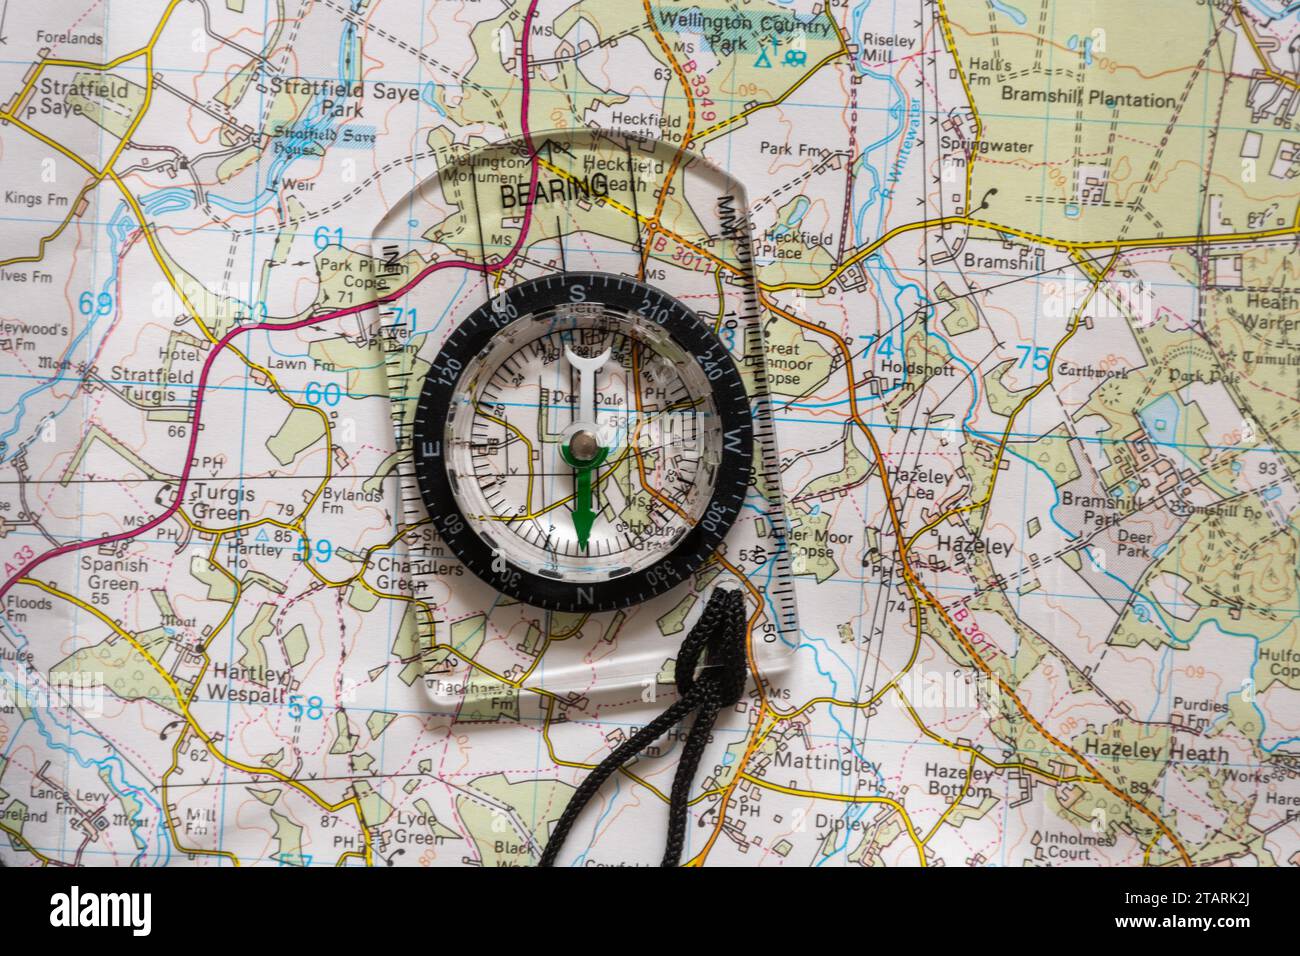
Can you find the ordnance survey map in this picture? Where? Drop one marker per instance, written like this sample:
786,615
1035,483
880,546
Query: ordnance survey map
1030,292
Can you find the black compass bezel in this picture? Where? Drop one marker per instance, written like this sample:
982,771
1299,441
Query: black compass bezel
520,303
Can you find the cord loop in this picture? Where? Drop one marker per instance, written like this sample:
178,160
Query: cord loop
718,638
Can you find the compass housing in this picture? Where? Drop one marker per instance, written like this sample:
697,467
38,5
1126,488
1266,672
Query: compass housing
513,552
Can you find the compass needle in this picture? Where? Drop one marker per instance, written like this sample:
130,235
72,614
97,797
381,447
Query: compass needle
583,451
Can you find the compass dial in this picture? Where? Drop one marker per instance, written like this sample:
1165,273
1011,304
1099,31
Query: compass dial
583,442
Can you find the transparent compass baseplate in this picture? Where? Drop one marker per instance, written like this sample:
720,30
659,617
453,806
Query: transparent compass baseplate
487,220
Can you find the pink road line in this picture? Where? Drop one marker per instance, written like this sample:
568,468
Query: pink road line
305,323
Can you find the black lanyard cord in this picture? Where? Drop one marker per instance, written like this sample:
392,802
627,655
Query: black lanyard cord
719,638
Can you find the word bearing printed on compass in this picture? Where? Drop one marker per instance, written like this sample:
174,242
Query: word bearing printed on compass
566,189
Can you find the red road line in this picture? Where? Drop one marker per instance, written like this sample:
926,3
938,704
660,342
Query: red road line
304,323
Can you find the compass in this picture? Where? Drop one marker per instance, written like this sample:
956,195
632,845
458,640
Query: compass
583,442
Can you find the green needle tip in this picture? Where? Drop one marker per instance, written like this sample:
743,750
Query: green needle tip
584,515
